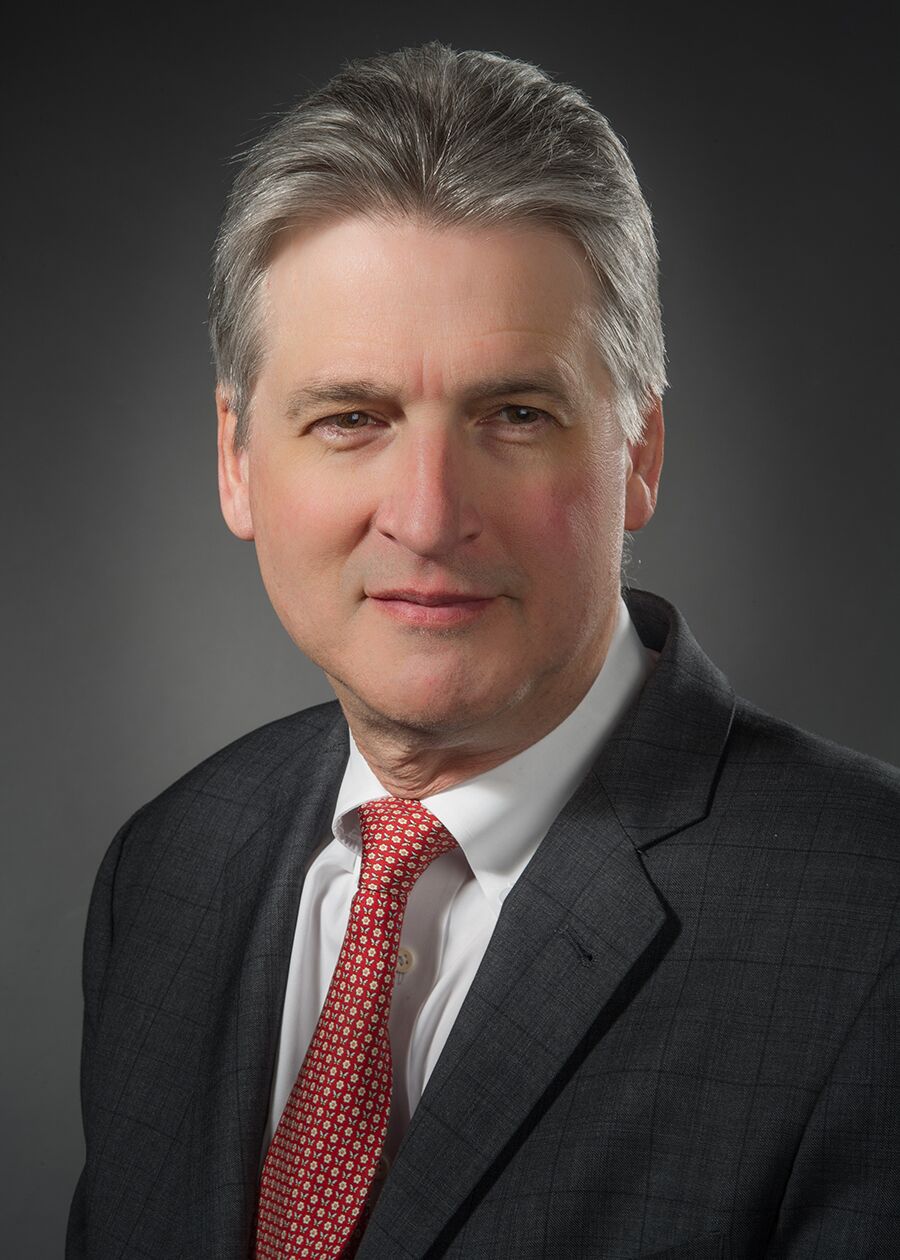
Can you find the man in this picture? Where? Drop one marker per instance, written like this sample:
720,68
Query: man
538,942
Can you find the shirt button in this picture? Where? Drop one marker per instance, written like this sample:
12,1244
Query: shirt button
405,960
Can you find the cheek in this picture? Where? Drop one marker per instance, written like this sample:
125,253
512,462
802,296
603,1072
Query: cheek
571,526
301,530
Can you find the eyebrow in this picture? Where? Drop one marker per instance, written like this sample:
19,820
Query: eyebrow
329,392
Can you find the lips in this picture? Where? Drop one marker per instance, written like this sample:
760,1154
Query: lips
431,610
430,599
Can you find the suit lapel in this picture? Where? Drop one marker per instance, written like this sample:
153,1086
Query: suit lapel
577,937
578,920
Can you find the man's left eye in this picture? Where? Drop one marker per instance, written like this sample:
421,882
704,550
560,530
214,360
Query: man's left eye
349,420
517,414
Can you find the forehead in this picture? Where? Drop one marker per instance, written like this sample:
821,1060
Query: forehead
427,306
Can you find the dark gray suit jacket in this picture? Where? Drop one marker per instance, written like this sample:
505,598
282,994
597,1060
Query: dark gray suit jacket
682,1040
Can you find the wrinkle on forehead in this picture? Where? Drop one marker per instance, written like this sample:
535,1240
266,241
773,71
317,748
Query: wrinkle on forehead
432,310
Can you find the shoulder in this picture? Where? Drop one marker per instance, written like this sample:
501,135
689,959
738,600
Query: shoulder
837,790
199,820
256,763
809,830
248,763
794,863
704,753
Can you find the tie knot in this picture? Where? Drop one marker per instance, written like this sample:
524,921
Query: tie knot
399,839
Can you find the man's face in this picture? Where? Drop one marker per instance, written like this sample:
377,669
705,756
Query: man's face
435,479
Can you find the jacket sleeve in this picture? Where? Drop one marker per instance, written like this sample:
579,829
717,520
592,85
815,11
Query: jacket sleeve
98,942
843,1194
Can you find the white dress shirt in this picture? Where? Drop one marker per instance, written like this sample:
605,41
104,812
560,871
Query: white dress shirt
498,820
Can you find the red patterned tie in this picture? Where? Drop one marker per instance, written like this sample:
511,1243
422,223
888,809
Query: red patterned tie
320,1165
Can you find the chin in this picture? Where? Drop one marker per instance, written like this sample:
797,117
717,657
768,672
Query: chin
429,716
425,710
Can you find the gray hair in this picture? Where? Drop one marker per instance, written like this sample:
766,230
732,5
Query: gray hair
451,139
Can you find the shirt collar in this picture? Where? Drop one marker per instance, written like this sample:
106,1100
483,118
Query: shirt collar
499,818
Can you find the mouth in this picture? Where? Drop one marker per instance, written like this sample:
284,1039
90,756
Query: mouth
431,608
430,599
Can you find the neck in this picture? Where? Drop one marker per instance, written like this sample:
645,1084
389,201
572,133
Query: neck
413,773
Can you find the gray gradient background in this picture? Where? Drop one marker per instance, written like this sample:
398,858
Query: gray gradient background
138,636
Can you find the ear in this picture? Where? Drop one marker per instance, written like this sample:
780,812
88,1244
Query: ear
234,472
645,459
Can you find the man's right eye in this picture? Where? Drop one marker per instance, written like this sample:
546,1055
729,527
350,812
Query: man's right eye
345,421
342,426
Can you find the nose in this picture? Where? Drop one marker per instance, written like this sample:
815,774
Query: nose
428,500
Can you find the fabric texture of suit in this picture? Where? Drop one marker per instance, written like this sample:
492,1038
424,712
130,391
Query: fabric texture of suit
681,1042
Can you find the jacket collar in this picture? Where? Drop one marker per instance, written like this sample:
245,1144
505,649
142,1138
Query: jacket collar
682,719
